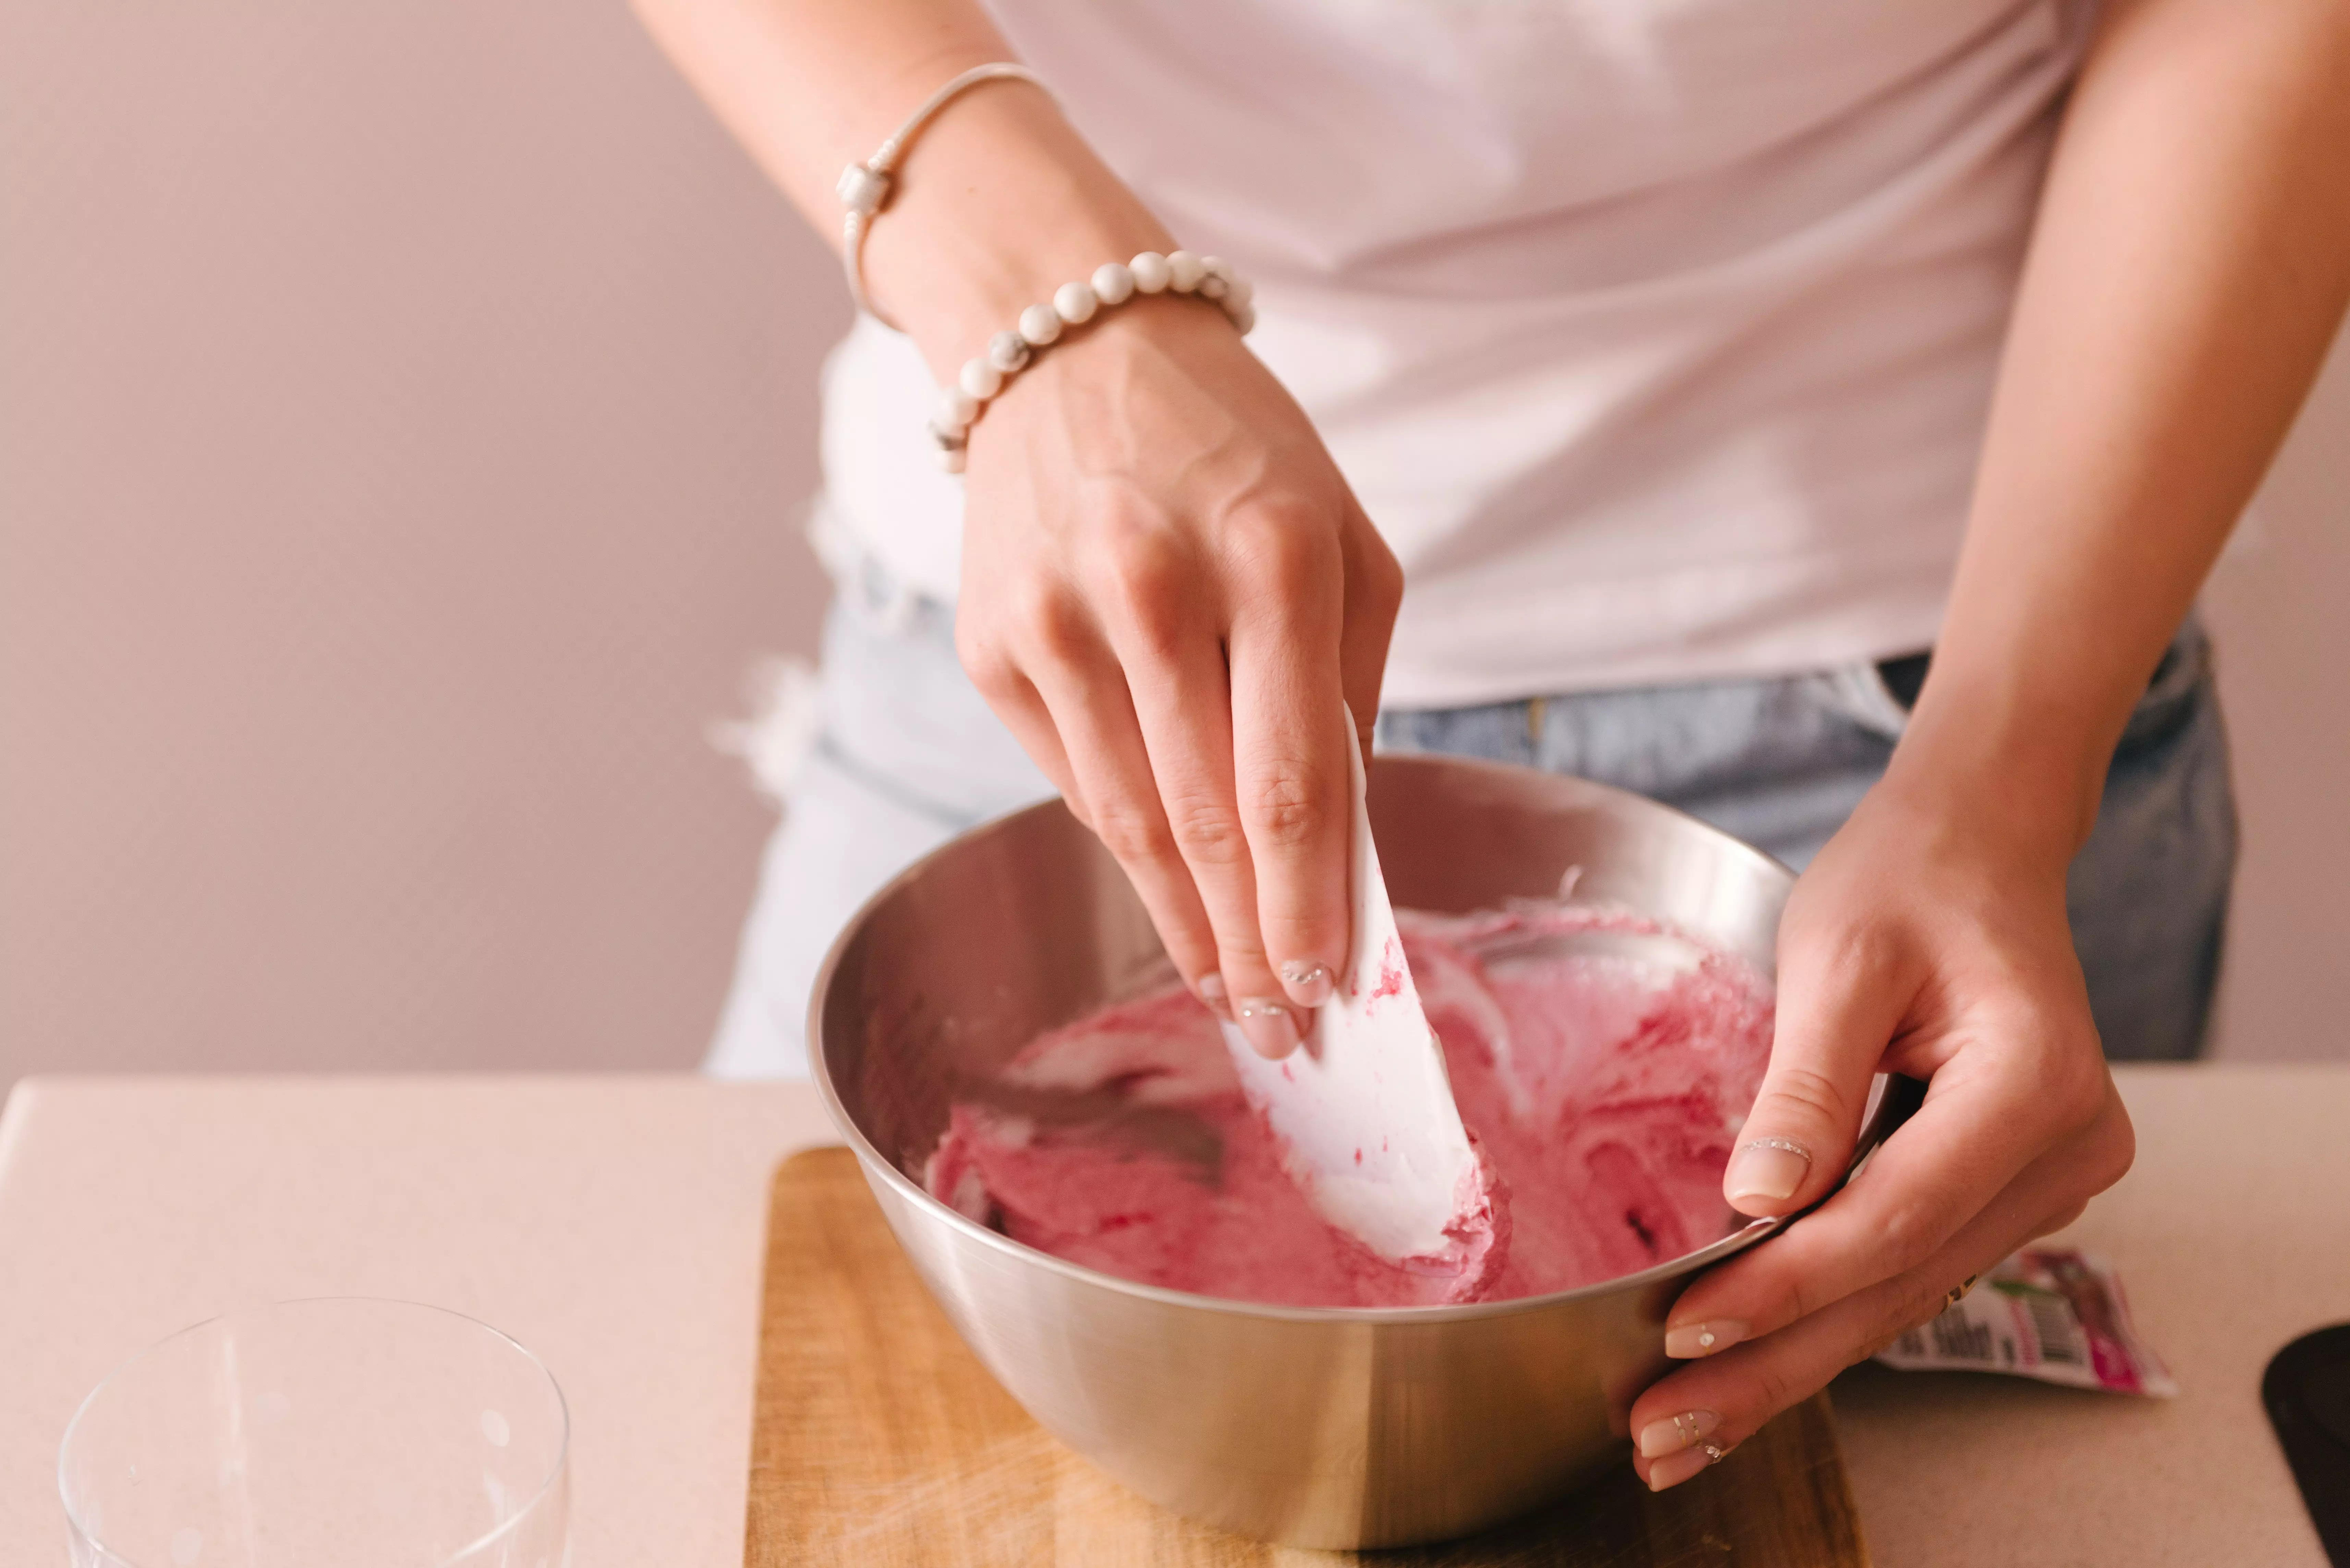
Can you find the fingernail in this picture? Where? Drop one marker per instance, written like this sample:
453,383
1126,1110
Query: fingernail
1209,989
1270,1025
1309,984
1679,1468
1674,1433
1768,1167
1692,1340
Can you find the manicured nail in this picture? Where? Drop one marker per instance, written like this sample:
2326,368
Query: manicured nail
1270,1025
1674,1433
1692,1340
1209,989
1679,1468
1309,984
1768,1167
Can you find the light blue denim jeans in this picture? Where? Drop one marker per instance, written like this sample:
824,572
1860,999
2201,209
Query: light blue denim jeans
907,755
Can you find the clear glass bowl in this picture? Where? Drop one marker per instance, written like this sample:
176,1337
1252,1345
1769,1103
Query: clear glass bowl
345,1430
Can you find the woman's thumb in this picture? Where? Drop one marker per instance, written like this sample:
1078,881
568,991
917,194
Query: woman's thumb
1833,1023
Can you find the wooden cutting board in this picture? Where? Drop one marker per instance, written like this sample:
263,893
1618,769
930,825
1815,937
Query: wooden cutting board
880,1440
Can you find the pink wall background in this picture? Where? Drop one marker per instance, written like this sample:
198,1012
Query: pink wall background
2277,605
404,412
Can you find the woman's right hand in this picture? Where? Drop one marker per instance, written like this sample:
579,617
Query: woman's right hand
1171,598
1168,592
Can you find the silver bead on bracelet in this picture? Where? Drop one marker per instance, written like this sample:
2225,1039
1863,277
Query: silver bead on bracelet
982,377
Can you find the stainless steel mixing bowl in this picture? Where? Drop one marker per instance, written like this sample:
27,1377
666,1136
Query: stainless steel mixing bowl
1332,1427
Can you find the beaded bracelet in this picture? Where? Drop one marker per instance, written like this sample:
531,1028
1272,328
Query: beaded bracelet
983,378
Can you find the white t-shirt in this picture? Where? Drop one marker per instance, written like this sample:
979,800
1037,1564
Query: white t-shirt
1655,336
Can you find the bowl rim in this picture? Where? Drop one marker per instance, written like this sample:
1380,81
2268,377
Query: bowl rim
874,1161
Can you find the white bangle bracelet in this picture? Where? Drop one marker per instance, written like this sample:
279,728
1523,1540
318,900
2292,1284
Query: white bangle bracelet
864,188
1113,283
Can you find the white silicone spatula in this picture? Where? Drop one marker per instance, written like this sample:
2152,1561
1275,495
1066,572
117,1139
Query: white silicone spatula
1364,1107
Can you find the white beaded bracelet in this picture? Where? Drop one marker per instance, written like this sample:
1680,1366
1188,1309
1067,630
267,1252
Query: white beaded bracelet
982,377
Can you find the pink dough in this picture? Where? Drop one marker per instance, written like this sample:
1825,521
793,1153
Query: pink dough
1602,1064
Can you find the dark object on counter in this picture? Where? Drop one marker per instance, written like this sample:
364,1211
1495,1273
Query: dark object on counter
2307,1392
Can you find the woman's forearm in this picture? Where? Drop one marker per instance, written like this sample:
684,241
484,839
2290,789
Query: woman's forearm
1168,593
2189,266
1001,199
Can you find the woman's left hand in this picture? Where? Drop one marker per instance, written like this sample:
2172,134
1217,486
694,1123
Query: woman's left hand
1919,943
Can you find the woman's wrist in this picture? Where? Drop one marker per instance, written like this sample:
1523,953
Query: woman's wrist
998,203
2017,773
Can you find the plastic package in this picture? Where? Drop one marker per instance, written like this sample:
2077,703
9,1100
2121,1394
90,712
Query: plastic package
2047,1312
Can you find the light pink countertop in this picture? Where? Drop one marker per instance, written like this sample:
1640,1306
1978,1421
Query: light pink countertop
614,1224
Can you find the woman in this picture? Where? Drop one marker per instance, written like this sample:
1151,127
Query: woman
1703,366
